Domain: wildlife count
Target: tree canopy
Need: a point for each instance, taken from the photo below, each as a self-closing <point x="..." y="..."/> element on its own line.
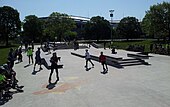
<point x="32" y="28"/>
<point x="10" y="24"/>
<point x="157" y="20"/>
<point x="59" y="26"/>
<point x="129" y="27"/>
<point x="97" y="28"/>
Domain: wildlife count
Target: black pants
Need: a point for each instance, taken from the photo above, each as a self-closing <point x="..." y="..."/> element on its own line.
<point x="104" y="64"/>
<point x="30" y="58"/>
<point x="51" y="73"/>
<point x="89" y="60"/>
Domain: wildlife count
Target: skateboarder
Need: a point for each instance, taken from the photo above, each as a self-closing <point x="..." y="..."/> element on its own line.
<point x="102" y="59"/>
<point x="88" y="59"/>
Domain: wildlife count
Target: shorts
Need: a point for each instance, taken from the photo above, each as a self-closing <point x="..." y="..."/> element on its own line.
<point x="38" y="61"/>
<point x="54" y="66"/>
<point x="103" y="62"/>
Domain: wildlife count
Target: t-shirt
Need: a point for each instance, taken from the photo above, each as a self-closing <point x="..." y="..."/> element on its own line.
<point x="87" y="55"/>
<point x="54" y="61"/>
<point x="29" y="52"/>
<point x="10" y="56"/>
<point x="2" y="78"/>
<point x="37" y="55"/>
<point x="102" y="58"/>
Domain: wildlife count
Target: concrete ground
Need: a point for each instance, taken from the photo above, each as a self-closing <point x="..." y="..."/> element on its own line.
<point x="132" y="86"/>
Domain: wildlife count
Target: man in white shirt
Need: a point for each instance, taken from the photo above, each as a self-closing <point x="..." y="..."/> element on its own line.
<point x="88" y="58"/>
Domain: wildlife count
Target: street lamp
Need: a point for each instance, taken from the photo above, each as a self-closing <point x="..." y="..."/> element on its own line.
<point x="111" y="15"/>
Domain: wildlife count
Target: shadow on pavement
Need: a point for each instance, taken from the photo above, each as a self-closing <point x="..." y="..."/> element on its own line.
<point x="27" y="65"/>
<point x="8" y="96"/>
<point x="35" y="72"/>
<point x="51" y="85"/>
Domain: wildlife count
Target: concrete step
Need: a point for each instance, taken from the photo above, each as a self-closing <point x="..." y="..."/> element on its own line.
<point x="138" y="56"/>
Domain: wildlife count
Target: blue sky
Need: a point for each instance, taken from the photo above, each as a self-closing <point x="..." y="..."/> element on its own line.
<point x="85" y="8"/>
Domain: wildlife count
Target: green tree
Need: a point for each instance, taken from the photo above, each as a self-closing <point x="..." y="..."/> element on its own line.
<point x="60" y="26"/>
<point x="32" y="28"/>
<point x="97" y="28"/>
<point x="129" y="27"/>
<point x="157" y="20"/>
<point x="10" y="24"/>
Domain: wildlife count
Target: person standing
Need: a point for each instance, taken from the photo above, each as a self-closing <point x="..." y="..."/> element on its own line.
<point x="54" y="65"/>
<point x="38" y="59"/>
<point x="102" y="60"/>
<point x="26" y="46"/>
<point x="32" y="45"/>
<point x="88" y="59"/>
<point x="104" y="44"/>
<point x="30" y="55"/>
<point x="11" y="58"/>
<point x="20" y="54"/>
<point x="48" y="48"/>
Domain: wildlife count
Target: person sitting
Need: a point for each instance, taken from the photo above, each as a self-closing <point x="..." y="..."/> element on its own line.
<point x="10" y="74"/>
<point x="113" y="51"/>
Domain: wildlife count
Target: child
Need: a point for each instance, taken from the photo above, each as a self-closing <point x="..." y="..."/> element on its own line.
<point x="88" y="58"/>
<point x="102" y="59"/>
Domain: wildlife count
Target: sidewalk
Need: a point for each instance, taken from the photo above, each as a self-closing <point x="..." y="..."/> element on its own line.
<point x="132" y="86"/>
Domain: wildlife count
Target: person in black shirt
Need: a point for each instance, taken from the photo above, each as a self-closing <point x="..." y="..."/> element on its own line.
<point x="38" y="59"/>
<point x="54" y="65"/>
<point x="11" y="58"/>
<point x="20" y="55"/>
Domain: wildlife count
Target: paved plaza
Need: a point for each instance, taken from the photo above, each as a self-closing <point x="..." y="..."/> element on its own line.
<point x="131" y="86"/>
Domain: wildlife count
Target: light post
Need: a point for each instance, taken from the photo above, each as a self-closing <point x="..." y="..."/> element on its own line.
<point x="111" y="15"/>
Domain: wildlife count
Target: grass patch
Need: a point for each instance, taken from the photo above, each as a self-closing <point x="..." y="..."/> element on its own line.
<point x="147" y="43"/>
<point x="4" y="53"/>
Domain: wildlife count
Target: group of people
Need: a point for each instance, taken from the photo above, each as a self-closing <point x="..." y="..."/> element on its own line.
<point x="136" y="48"/>
<point x="8" y="78"/>
<point x="102" y="60"/>
<point x="160" y="49"/>
<point x="4" y="76"/>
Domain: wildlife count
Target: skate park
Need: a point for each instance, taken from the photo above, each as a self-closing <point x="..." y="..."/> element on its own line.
<point x="85" y="53"/>
<point x="140" y="84"/>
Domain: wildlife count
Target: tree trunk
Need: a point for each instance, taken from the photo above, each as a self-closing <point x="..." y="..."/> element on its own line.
<point x="6" y="39"/>
<point x="169" y="32"/>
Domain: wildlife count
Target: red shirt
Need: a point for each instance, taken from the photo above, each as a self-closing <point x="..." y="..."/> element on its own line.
<point x="102" y="58"/>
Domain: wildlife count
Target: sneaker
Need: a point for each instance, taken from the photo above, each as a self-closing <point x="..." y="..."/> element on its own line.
<point x="57" y="79"/>
<point x="20" y="87"/>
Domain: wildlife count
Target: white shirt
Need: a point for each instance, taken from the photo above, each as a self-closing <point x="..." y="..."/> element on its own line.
<point x="87" y="55"/>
